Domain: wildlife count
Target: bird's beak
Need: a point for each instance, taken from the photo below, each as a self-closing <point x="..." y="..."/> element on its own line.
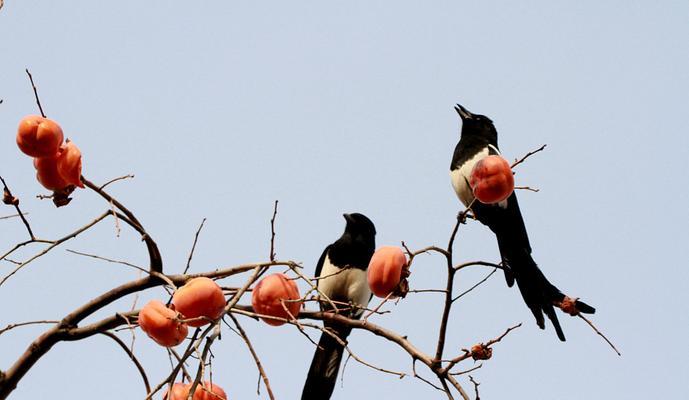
<point x="348" y="218"/>
<point x="463" y="112"/>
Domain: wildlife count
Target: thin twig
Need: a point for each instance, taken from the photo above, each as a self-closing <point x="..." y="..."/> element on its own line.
<point x="35" y="92"/>
<point x="467" y="371"/>
<point x="526" y="188"/>
<point x="259" y="366"/>
<point x="457" y="386"/>
<point x="442" y="331"/>
<point x="341" y="320"/>
<point x="427" y="291"/>
<point x="193" y="246"/>
<point x="476" y="385"/>
<point x="480" y="263"/>
<point x="55" y="244"/>
<point x="499" y="338"/>
<point x="107" y="260"/>
<point x="467" y="354"/>
<point x="434" y="386"/>
<point x="529" y="154"/>
<point x="599" y="333"/>
<point x="9" y="199"/>
<point x="428" y="249"/>
<point x="12" y="216"/>
<point x="293" y="320"/>
<point x="130" y="325"/>
<point x="187" y="353"/>
<point x="17" y="325"/>
<point x="315" y="288"/>
<point x="119" y="178"/>
<point x="206" y="349"/>
<point x="185" y="373"/>
<point x="475" y="286"/>
<point x="446" y="388"/>
<point x="375" y="310"/>
<point x="156" y="261"/>
<point x="272" y="232"/>
<point x="361" y="361"/>
<point x="117" y="221"/>
<point x="131" y="356"/>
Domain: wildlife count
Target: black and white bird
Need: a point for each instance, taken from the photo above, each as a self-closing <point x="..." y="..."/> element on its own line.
<point x="342" y="270"/>
<point x="479" y="138"/>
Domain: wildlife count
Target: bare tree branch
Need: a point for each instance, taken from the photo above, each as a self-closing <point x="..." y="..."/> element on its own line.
<point x="35" y="92"/>
<point x="131" y="355"/>
<point x="272" y="231"/>
<point x="193" y="246"/>
<point x="600" y="333"/>
<point x="156" y="262"/>
<point x="107" y="260"/>
<point x="17" y="325"/>
<point x="527" y="188"/>
<point x="529" y="154"/>
<point x="12" y="216"/>
<point x="55" y="244"/>
<point x="475" y="286"/>
<point x="206" y="349"/>
<point x="442" y="331"/>
<point x="119" y="178"/>
<point x="476" y="385"/>
<point x="259" y="366"/>
<point x="11" y="200"/>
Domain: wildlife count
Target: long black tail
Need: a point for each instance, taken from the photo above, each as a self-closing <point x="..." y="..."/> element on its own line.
<point x="538" y="293"/>
<point x="322" y="375"/>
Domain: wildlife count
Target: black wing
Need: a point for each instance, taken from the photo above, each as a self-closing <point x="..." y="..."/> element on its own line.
<point x="319" y="265"/>
<point x="508" y="225"/>
<point x="504" y="222"/>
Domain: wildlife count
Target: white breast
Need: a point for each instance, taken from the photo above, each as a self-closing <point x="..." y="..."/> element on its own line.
<point x="348" y="285"/>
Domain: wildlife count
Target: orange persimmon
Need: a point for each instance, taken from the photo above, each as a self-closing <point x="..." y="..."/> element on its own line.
<point x="69" y="164"/>
<point x="38" y="136"/>
<point x="385" y="270"/>
<point x="207" y="391"/>
<point x="271" y="293"/>
<point x="200" y="297"/>
<point x="48" y="174"/>
<point x="492" y="180"/>
<point x="180" y="391"/>
<point x="162" y="324"/>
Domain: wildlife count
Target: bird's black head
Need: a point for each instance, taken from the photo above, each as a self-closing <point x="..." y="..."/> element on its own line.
<point x="356" y="245"/>
<point x="476" y="124"/>
<point x="360" y="228"/>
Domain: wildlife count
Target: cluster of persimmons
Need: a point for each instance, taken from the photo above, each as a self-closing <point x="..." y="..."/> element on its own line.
<point x="200" y="301"/>
<point x="197" y="303"/>
<point x="57" y="163"/>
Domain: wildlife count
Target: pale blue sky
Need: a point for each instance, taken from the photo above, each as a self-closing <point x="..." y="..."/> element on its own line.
<point x="219" y="108"/>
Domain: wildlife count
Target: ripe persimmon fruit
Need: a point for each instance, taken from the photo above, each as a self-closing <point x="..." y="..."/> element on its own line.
<point x="271" y="293"/>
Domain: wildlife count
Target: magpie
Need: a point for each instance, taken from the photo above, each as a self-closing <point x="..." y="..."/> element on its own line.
<point x="479" y="139"/>
<point x="341" y="270"/>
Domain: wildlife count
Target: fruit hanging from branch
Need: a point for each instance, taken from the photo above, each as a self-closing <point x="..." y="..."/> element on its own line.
<point x="209" y="391"/>
<point x="492" y="180"/>
<point x="38" y="136"/>
<point x="199" y="298"/>
<point x="162" y="324"/>
<point x="386" y="270"/>
<point x="69" y="164"/>
<point x="275" y="295"/>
